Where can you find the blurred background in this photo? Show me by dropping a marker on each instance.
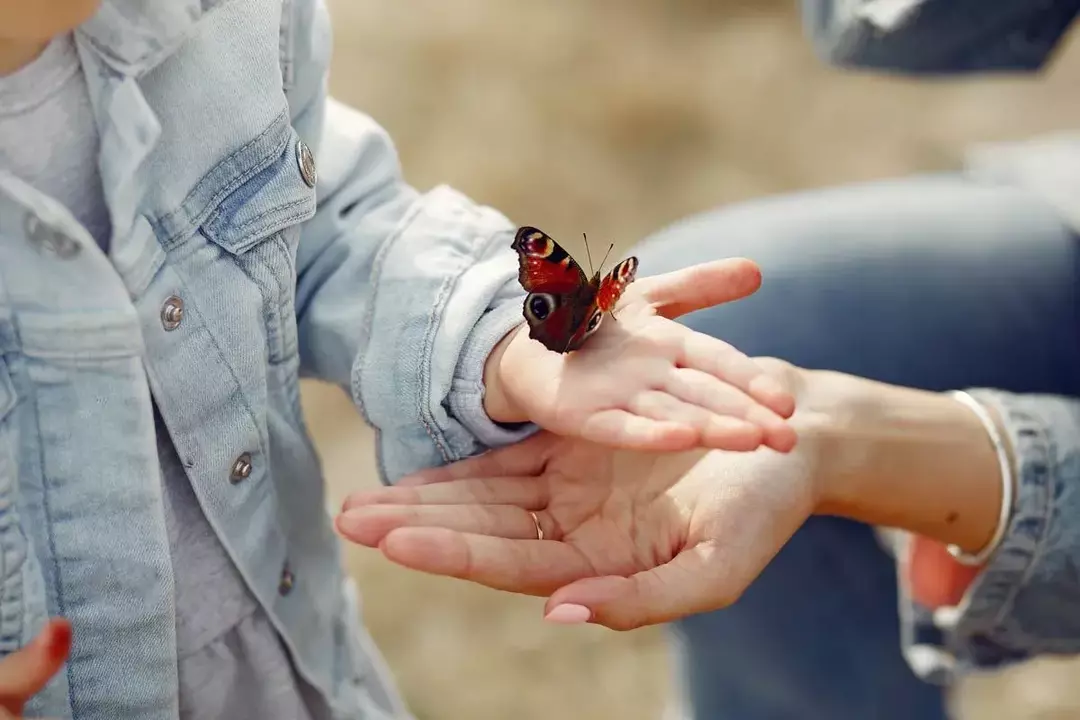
(614, 119)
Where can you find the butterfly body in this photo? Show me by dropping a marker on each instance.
(564, 307)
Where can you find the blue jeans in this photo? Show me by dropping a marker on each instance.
(933, 282)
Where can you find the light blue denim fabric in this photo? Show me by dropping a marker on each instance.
(394, 294)
(966, 281)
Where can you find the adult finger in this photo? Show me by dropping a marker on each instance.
(368, 526)
(527, 492)
(531, 567)
(688, 584)
(721, 399)
(701, 286)
(623, 429)
(718, 431)
(25, 672)
(527, 457)
(719, 359)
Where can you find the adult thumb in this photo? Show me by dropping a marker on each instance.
(25, 672)
(686, 585)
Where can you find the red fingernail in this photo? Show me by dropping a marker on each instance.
(59, 639)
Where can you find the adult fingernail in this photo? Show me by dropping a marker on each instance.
(568, 614)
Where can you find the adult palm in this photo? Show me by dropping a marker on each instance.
(629, 538)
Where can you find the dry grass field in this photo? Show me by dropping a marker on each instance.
(615, 118)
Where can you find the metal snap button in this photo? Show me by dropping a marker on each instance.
(285, 586)
(241, 469)
(49, 238)
(306, 161)
(172, 313)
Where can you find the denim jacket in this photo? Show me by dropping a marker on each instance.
(261, 232)
(1026, 601)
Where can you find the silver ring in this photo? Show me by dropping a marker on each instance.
(536, 522)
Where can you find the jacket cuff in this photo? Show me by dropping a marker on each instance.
(988, 628)
(467, 392)
(436, 281)
(1021, 603)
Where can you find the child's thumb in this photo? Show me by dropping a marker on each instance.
(25, 672)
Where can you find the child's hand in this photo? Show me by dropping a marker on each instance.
(25, 672)
(644, 381)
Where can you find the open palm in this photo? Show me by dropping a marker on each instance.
(630, 538)
(646, 382)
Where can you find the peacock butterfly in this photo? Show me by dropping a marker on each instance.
(563, 307)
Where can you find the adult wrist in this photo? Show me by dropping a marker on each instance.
(995, 432)
(901, 458)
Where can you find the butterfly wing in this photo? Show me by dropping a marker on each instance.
(560, 296)
(607, 292)
(614, 283)
(544, 266)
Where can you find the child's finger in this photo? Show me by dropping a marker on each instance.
(705, 391)
(701, 286)
(622, 429)
(721, 360)
(718, 431)
(25, 672)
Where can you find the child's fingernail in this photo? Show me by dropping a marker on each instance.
(569, 614)
(60, 640)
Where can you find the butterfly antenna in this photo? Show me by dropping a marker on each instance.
(588, 254)
(610, 248)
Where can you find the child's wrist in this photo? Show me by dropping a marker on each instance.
(497, 403)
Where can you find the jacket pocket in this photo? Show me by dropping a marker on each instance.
(258, 226)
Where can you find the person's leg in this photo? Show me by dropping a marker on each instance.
(932, 282)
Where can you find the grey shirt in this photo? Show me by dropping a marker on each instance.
(231, 661)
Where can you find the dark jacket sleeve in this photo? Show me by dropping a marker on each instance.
(938, 37)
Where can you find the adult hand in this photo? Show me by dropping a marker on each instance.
(644, 381)
(630, 538)
(25, 672)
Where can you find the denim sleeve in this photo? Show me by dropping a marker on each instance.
(401, 294)
(938, 37)
(1026, 601)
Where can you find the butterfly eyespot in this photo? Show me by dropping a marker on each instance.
(594, 322)
(539, 305)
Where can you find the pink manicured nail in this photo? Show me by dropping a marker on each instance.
(569, 614)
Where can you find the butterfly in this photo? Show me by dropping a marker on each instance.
(563, 307)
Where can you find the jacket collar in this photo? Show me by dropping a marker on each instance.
(134, 36)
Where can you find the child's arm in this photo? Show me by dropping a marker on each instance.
(403, 296)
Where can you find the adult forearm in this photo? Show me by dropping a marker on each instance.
(903, 458)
